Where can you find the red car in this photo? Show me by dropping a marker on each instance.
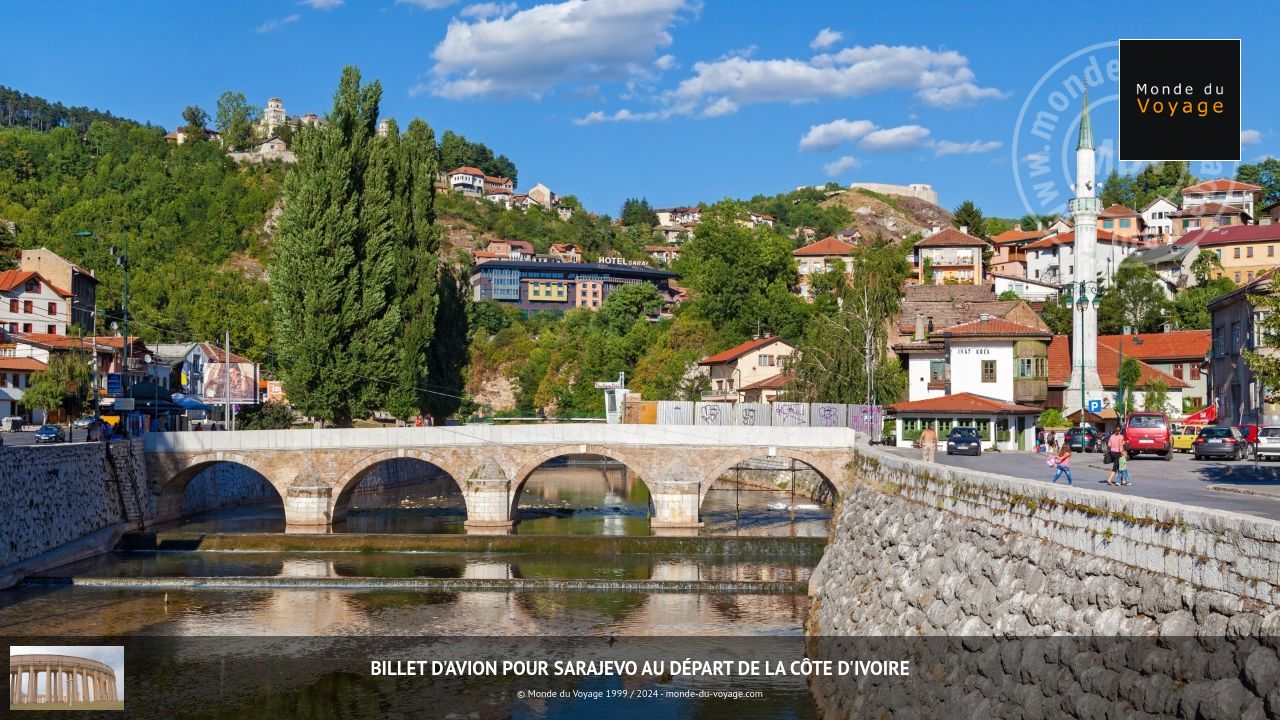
(1148, 432)
(1250, 433)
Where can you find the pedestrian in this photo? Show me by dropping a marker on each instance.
(1123, 464)
(928, 443)
(1115, 451)
(1051, 442)
(1064, 464)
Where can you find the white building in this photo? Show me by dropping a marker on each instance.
(1157, 219)
(467, 180)
(1224, 192)
(31, 304)
(1053, 259)
(1024, 288)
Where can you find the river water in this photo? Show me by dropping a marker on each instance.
(567, 500)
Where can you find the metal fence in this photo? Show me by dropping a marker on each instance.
(867, 418)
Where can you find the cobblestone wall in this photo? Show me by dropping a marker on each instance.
(1188, 598)
(54, 495)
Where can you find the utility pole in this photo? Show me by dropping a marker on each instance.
(229, 419)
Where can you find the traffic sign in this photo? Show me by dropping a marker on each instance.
(1094, 406)
(115, 384)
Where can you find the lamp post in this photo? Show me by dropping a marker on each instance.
(1082, 295)
(122, 261)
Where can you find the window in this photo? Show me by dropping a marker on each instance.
(937, 371)
(1249, 275)
(1219, 251)
(1248, 252)
(1219, 341)
(28, 307)
(1106, 224)
(13, 305)
(32, 286)
(1235, 253)
(1125, 223)
(1226, 220)
(26, 327)
(1235, 338)
(1195, 371)
(1271, 251)
(1177, 370)
(765, 361)
(1237, 277)
(53, 329)
(988, 371)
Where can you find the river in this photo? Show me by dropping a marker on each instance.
(121, 595)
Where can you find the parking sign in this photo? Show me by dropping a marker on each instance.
(1094, 406)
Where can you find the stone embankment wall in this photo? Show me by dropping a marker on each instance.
(1004, 563)
(54, 496)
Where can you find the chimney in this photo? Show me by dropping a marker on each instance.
(1018, 227)
(936, 230)
(1039, 225)
(964, 229)
(984, 317)
(920, 331)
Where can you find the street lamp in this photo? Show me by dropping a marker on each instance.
(122, 261)
(1084, 295)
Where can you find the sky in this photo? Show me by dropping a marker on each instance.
(676, 101)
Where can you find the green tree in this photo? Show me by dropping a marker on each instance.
(637, 211)
(1118, 189)
(1129, 376)
(449, 353)
(267, 416)
(628, 305)
(1135, 299)
(1057, 316)
(1264, 361)
(1053, 418)
(968, 215)
(1189, 309)
(196, 120)
(234, 120)
(1008, 295)
(843, 356)
(65, 384)
(1265, 173)
(1155, 396)
(332, 280)
(1205, 265)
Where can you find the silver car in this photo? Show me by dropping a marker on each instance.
(1268, 442)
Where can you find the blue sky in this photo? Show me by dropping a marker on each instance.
(677, 101)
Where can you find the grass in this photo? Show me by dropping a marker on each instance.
(117, 705)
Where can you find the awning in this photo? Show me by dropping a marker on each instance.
(188, 403)
(1202, 417)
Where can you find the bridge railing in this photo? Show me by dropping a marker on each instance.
(479, 435)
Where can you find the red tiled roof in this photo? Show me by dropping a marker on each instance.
(14, 279)
(1219, 185)
(1230, 235)
(950, 237)
(825, 246)
(1117, 210)
(1069, 238)
(661, 248)
(215, 354)
(1108, 366)
(468, 170)
(964, 403)
(1011, 236)
(25, 364)
(48, 340)
(1209, 208)
(738, 351)
(1156, 347)
(995, 327)
(775, 382)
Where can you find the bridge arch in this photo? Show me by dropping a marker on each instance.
(632, 463)
(351, 477)
(169, 496)
(826, 470)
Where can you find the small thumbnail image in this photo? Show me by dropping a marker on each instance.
(66, 677)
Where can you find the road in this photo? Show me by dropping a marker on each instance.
(1181, 480)
(28, 437)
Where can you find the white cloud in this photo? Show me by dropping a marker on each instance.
(825, 38)
(321, 4)
(947, 147)
(666, 62)
(902, 137)
(844, 164)
(829, 135)
(722, 106)
(487, 10)
(1250, 137)
(534, 50)
(623, 115)
(428, 4)
(270, 25)
(940, 78)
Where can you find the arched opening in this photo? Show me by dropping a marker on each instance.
(395, 493)
(581, 493)
(768, 496)
(221, 495)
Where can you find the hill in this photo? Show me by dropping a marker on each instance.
(896, 216)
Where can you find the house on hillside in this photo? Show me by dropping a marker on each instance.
(1208, 216)
(1246, 251)
(29, 303)
(1052, 259)
(950, 256)
(1182, 354)
(730, 372)
(1223, 191)
(1024, 288)
(66, 275)
(543, 195)
(1120, 221)
(1009, 251)
(1157, 220)
(467, 180)
(821, 256)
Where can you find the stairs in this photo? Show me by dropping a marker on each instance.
(126, 487)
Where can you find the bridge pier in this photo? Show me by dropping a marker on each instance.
(677, 496)
(490, 505)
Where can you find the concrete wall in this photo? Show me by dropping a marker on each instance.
(933, 551)
(55, 497)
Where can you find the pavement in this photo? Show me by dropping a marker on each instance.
(28, 437)
(1248, 487)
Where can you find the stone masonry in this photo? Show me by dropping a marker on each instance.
(1172, 611)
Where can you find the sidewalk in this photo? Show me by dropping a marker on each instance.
(1266, 491)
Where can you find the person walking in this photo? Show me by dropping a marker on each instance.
(1115, 451)
(1063, 464)
(928, 443)
(1122, 464)
(1051, 442)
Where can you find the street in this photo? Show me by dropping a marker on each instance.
(1243, 487)
(28, 437)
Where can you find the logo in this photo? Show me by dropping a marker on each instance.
(1180, 100)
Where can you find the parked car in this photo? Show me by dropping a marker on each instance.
(1185, 436)
(13, 423)
(964, 440)
(1224, 442)
(1148, 432)
(84, 421)
(1268, 442)
(49, 433)
(1250, 433)
(1083, 440)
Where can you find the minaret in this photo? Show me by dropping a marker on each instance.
(1084, 209)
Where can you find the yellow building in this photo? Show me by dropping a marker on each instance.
(952, 257)
(1246, 251)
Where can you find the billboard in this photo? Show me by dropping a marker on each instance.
(243, 380)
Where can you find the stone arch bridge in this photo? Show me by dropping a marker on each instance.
(315, 471)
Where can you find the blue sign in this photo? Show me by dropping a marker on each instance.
(1094, 406)
(115, 384)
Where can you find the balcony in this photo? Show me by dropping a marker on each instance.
(1030, 390)
(720, 396)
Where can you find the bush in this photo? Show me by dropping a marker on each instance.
(268, 416)
(1053, 418)
(911, 435)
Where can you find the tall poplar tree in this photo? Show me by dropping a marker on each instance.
(326, 289)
